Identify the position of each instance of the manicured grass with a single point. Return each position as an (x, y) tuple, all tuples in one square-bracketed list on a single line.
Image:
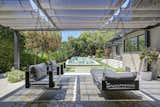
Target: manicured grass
[(105, 66), (70, 69)]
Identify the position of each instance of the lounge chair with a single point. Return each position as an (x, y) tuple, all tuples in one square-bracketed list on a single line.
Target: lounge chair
[(38, 72), (110, 80)]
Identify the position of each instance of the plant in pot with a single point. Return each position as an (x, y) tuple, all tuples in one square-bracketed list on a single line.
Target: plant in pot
[(149, 57)]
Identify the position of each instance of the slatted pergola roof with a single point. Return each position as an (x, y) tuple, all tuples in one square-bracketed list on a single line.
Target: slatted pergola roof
[(78, 14)]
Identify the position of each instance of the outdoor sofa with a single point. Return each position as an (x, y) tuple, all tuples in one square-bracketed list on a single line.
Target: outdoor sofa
[(42, 74), (36, 75), (107, 79)]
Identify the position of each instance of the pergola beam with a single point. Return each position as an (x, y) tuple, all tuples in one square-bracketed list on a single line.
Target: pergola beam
[(3, 8), (113, 26), (68, 29), (71, 15), (9, 16), (44, 11), (79, 22), (75, 23)]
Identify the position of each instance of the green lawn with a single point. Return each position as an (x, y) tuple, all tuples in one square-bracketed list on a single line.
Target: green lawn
[(70, 69), (105, 66)]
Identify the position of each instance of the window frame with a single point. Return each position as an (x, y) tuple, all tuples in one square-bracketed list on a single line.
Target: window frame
[(137, 44)]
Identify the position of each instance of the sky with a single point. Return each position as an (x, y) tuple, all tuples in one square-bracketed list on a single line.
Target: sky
[(66, 34)]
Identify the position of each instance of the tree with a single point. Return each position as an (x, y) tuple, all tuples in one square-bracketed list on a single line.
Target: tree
[(6, 49), (33, 43), (90, 43), (42, 42), (50, 42)]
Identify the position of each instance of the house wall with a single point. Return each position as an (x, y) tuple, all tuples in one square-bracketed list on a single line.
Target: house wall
[(131, 60), (114, 53), (155, 37), (155, 44)]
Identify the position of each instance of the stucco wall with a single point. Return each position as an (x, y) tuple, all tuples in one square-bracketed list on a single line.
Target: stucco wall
[(155, 44), (155, 37), (132, 61)]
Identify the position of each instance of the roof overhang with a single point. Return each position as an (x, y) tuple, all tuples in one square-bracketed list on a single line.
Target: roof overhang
[(79, 14)]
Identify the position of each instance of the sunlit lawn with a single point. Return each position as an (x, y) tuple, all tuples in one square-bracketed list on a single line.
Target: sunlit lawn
[(70, 69), (105, 66)]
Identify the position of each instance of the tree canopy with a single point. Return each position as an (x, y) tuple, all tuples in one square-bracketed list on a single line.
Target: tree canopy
[(37, 46), (42, 42), (90, 42)]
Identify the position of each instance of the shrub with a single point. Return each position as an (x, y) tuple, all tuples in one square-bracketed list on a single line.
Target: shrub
[(15, 75), (59, 55), (6, 54), (99, 53), (28, 59)]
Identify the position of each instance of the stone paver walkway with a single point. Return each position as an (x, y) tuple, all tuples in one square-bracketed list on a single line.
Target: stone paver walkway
[(78, 90)]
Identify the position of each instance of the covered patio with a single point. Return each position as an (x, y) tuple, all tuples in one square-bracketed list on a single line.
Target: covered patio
[(79, 90), (45, 15)]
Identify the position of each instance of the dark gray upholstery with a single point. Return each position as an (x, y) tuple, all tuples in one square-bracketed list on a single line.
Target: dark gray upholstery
[(107, 79), (111, 75), (53, 65), (97, 75), (38, 71)]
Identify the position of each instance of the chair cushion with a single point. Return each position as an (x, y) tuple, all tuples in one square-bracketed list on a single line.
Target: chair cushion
[(53, 65), (97, 74), (38, 71), (111, 75)]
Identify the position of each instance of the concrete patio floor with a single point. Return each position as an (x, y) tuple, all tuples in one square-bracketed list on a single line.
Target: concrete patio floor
[(8, 88), (80, 91)]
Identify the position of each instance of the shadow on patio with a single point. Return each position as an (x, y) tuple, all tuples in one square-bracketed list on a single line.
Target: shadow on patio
[(80, 91)]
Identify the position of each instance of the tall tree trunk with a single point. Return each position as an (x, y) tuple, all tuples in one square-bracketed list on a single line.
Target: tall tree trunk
[(35, 57), (48, 56)]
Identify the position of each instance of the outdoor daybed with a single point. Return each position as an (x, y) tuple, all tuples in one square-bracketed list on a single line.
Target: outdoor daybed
[(110, 80)]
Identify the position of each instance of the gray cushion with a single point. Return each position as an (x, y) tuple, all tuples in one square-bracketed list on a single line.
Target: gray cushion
[(53, 65), (38, 71), (111, 75), (97, 74)]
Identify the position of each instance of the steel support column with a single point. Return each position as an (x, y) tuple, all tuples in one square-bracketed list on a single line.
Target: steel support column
[(16, 51)]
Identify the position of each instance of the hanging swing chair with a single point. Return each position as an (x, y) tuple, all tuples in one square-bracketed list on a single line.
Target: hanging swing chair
[(109, 80)]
